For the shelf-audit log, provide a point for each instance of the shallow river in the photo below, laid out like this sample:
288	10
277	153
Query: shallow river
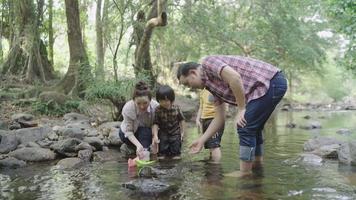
281	177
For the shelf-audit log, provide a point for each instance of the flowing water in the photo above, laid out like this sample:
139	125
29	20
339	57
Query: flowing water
280	178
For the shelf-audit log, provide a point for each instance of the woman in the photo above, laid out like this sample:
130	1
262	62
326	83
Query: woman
138	114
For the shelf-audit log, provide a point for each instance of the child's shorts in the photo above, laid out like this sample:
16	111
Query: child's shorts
213	142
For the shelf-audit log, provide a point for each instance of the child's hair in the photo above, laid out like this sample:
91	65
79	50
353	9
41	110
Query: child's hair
141	89
165	92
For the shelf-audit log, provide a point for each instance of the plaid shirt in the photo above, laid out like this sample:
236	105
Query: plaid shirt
255	75
168	119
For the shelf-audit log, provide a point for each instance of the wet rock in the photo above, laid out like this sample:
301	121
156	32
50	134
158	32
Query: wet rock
32	134
52	136
311	125
11	162
33	144
83	146
350	107
104	156
106	128
66	147
114	139
328	151
27	124
344	131
73	132
33	154
91	133
95	142
307	117
291	125
45	143
286	107
148	186
85	155
8	143
69	163
316	143
126	150
311	159
344	153
84	125
352	146
14	126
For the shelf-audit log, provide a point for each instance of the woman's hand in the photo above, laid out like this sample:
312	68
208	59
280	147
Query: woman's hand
240	118
196	146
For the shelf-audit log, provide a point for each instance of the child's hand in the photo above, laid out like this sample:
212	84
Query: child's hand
155	140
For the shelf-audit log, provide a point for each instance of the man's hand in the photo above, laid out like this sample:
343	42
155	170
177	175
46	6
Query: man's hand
240	118
196	146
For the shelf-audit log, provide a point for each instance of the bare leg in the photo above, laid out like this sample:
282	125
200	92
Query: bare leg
257	164
215	155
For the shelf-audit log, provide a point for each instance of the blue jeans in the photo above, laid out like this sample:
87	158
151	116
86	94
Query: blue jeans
257	113
143	135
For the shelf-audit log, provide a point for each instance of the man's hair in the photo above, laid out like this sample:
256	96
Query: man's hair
165	92
183	69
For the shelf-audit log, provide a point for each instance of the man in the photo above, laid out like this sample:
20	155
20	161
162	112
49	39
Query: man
254	86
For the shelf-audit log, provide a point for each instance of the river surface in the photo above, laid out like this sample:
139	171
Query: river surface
281	177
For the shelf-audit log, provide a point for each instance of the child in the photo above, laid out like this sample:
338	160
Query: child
168	125
205	115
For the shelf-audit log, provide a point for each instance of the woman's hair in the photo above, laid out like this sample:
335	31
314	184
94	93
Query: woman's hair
165	92
183	69
141	90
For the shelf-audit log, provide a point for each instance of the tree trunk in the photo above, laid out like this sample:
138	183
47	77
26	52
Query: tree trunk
78	74
1	30
26	58
99	69
143	62
50	31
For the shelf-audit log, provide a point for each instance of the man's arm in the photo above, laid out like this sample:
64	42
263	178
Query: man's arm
234	80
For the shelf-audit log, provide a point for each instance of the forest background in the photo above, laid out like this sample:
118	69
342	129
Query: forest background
62	55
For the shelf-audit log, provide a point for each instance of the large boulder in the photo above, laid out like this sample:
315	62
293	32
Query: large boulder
317	142
26	135
12	163
33	154
67	147
8	143
69	163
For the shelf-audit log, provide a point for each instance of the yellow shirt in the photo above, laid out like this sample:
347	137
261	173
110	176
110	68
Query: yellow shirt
207	107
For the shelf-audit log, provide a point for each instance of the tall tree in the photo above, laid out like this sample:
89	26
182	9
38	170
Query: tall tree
50	31
78	75
342	14
157	17
99	67
28	55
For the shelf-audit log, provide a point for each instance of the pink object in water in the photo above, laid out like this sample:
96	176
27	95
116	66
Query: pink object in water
132	162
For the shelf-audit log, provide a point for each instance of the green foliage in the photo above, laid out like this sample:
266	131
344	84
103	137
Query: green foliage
112	90
54	109
342	15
